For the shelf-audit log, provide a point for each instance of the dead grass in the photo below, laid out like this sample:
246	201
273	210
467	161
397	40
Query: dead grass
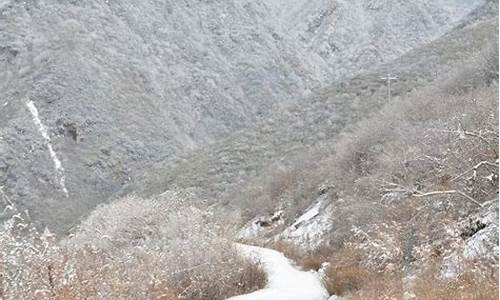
473	284
344	279
379	287
251	278
345	273
479	281
311	262
355	282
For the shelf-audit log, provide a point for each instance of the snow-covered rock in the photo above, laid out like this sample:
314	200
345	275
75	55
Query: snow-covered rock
310	213
478	240
308	230
259	226
484	230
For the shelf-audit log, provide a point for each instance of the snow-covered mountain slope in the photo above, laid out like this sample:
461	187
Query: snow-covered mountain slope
350	35
121	85
224	168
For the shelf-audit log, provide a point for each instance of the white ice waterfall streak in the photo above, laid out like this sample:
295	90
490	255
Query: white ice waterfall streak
45	134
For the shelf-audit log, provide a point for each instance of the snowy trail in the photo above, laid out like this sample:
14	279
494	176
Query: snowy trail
285	282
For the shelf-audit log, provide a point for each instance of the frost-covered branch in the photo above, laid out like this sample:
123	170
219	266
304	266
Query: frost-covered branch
463	133
397	188
483	163
436	193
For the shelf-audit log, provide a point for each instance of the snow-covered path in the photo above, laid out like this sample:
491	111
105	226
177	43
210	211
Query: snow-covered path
285	282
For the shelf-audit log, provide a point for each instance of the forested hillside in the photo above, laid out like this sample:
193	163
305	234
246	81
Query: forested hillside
249	150
120	86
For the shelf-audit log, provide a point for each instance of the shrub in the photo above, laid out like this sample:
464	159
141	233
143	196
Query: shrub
478	282
162	248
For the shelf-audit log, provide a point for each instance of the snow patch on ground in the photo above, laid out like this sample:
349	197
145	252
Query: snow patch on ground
285	282
45	134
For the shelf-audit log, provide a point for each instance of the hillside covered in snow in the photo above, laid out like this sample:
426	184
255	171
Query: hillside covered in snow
238	149
122	85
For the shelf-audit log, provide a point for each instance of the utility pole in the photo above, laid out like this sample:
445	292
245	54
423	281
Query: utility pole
389	78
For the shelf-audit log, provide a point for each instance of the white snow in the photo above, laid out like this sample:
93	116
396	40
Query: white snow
309	229
285	282
45	134
311	213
